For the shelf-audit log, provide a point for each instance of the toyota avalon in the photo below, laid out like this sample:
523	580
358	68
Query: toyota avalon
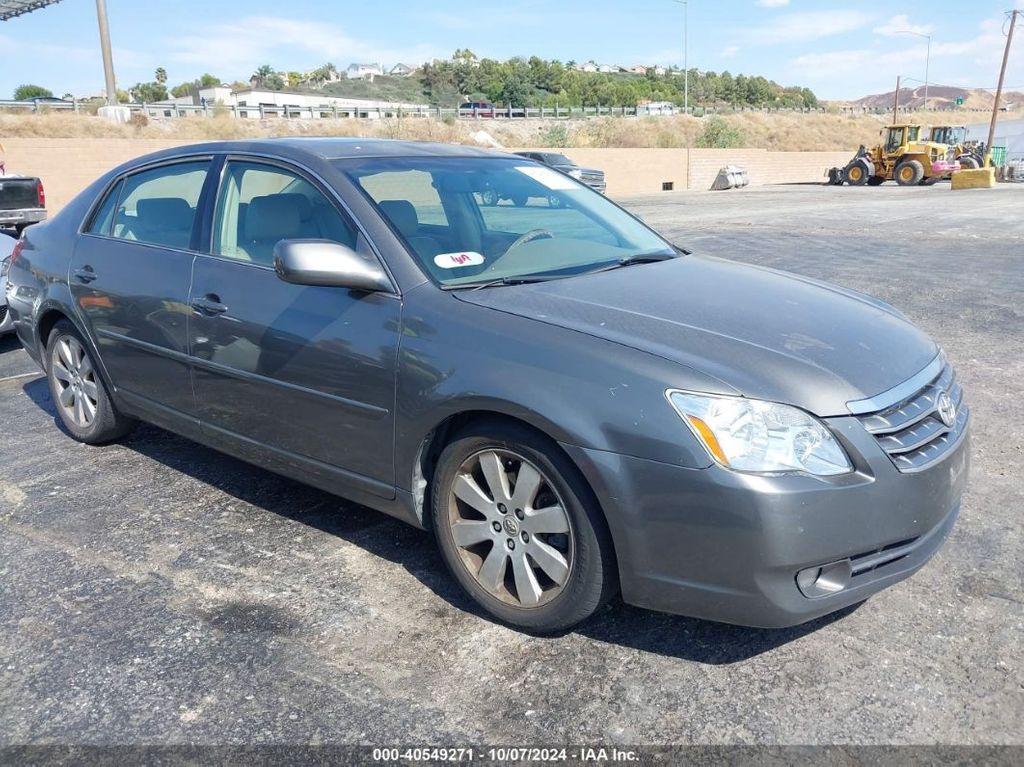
574	406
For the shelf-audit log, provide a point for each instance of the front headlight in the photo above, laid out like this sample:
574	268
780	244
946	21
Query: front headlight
752	435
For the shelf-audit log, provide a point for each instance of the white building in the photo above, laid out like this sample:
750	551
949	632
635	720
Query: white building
364	71
401	70
254	103
590	66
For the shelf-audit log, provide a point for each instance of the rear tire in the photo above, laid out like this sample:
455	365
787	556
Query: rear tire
79	394
531	546
909	173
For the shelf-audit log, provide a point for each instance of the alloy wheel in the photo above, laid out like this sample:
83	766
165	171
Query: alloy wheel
511	528
75	380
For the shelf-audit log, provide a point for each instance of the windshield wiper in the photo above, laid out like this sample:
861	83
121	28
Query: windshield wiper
525	279
637	258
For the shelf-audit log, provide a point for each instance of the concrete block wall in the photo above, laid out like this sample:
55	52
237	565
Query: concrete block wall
69	165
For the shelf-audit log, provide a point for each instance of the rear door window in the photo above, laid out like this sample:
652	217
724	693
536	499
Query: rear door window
158	206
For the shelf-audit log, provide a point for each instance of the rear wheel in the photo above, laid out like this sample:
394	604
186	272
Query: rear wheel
520	530
489	197
909	173
857	173
79	394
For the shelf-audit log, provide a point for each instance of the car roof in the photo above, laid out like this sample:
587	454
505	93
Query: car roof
326	148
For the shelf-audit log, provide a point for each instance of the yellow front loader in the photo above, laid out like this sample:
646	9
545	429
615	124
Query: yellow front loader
903	156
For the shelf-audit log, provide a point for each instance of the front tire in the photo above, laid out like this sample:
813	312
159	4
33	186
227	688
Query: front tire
79	394
857	173
967	162
909	173
520	529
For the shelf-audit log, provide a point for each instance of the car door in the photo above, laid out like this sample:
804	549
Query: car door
129	278
306	373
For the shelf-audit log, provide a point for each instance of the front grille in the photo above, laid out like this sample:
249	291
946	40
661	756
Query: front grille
912	432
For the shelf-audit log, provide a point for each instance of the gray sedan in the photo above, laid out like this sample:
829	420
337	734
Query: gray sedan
575	406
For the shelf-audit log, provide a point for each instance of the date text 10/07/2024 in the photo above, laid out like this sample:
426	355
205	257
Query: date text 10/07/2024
504	754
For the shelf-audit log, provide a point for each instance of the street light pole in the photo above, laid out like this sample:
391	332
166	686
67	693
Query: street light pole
686	55
927	61
108	59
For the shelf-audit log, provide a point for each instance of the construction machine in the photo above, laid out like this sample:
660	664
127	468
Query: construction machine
969	153
904	156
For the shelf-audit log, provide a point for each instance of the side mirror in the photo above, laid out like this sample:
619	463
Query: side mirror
329	264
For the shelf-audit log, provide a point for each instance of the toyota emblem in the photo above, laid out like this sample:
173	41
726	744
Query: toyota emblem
946	409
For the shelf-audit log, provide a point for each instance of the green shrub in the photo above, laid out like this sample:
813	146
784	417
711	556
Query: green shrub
555	136
717	133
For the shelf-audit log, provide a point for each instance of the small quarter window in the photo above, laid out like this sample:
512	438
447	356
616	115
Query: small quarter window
103	218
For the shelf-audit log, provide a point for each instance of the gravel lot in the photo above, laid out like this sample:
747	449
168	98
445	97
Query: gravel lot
157	592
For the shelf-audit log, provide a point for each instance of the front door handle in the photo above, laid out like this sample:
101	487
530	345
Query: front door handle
209	305
85	274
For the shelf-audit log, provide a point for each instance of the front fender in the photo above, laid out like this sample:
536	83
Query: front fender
457	357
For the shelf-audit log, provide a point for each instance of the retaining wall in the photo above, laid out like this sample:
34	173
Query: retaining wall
68	165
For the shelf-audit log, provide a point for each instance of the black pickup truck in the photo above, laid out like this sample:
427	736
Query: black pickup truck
22	202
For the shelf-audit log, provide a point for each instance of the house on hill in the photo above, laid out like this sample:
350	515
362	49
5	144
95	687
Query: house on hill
364	71
401	70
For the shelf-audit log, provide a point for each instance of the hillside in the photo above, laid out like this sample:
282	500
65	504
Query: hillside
940	97
785	131
534	82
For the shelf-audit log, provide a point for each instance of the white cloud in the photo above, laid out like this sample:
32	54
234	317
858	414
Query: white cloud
729	51
805	27
773	3
900	24
241	46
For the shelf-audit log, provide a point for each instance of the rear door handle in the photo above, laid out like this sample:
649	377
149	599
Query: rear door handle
85	274
209	305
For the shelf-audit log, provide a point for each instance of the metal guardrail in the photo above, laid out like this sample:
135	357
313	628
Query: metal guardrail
264	111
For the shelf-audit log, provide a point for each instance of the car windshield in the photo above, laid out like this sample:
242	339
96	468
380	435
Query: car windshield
472	221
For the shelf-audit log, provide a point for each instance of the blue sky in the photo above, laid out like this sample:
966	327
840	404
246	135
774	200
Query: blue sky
840	49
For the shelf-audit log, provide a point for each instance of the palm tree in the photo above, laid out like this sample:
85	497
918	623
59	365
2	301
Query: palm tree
161	75
263	73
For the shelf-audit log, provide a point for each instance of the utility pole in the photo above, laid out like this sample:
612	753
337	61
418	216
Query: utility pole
108	59
999	87
896	105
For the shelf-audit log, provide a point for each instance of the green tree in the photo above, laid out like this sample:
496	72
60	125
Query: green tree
275	82
160	75
26	92
263	73
208	81
147	93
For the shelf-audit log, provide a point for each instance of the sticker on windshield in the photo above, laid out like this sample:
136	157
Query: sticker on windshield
552	179
455	260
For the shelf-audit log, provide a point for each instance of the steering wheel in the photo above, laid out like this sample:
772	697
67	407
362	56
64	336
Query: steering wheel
530	236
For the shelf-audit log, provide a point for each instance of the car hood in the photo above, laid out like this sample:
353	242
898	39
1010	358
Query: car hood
760	332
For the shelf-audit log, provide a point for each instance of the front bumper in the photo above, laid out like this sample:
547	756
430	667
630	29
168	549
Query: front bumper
18	217
725	546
